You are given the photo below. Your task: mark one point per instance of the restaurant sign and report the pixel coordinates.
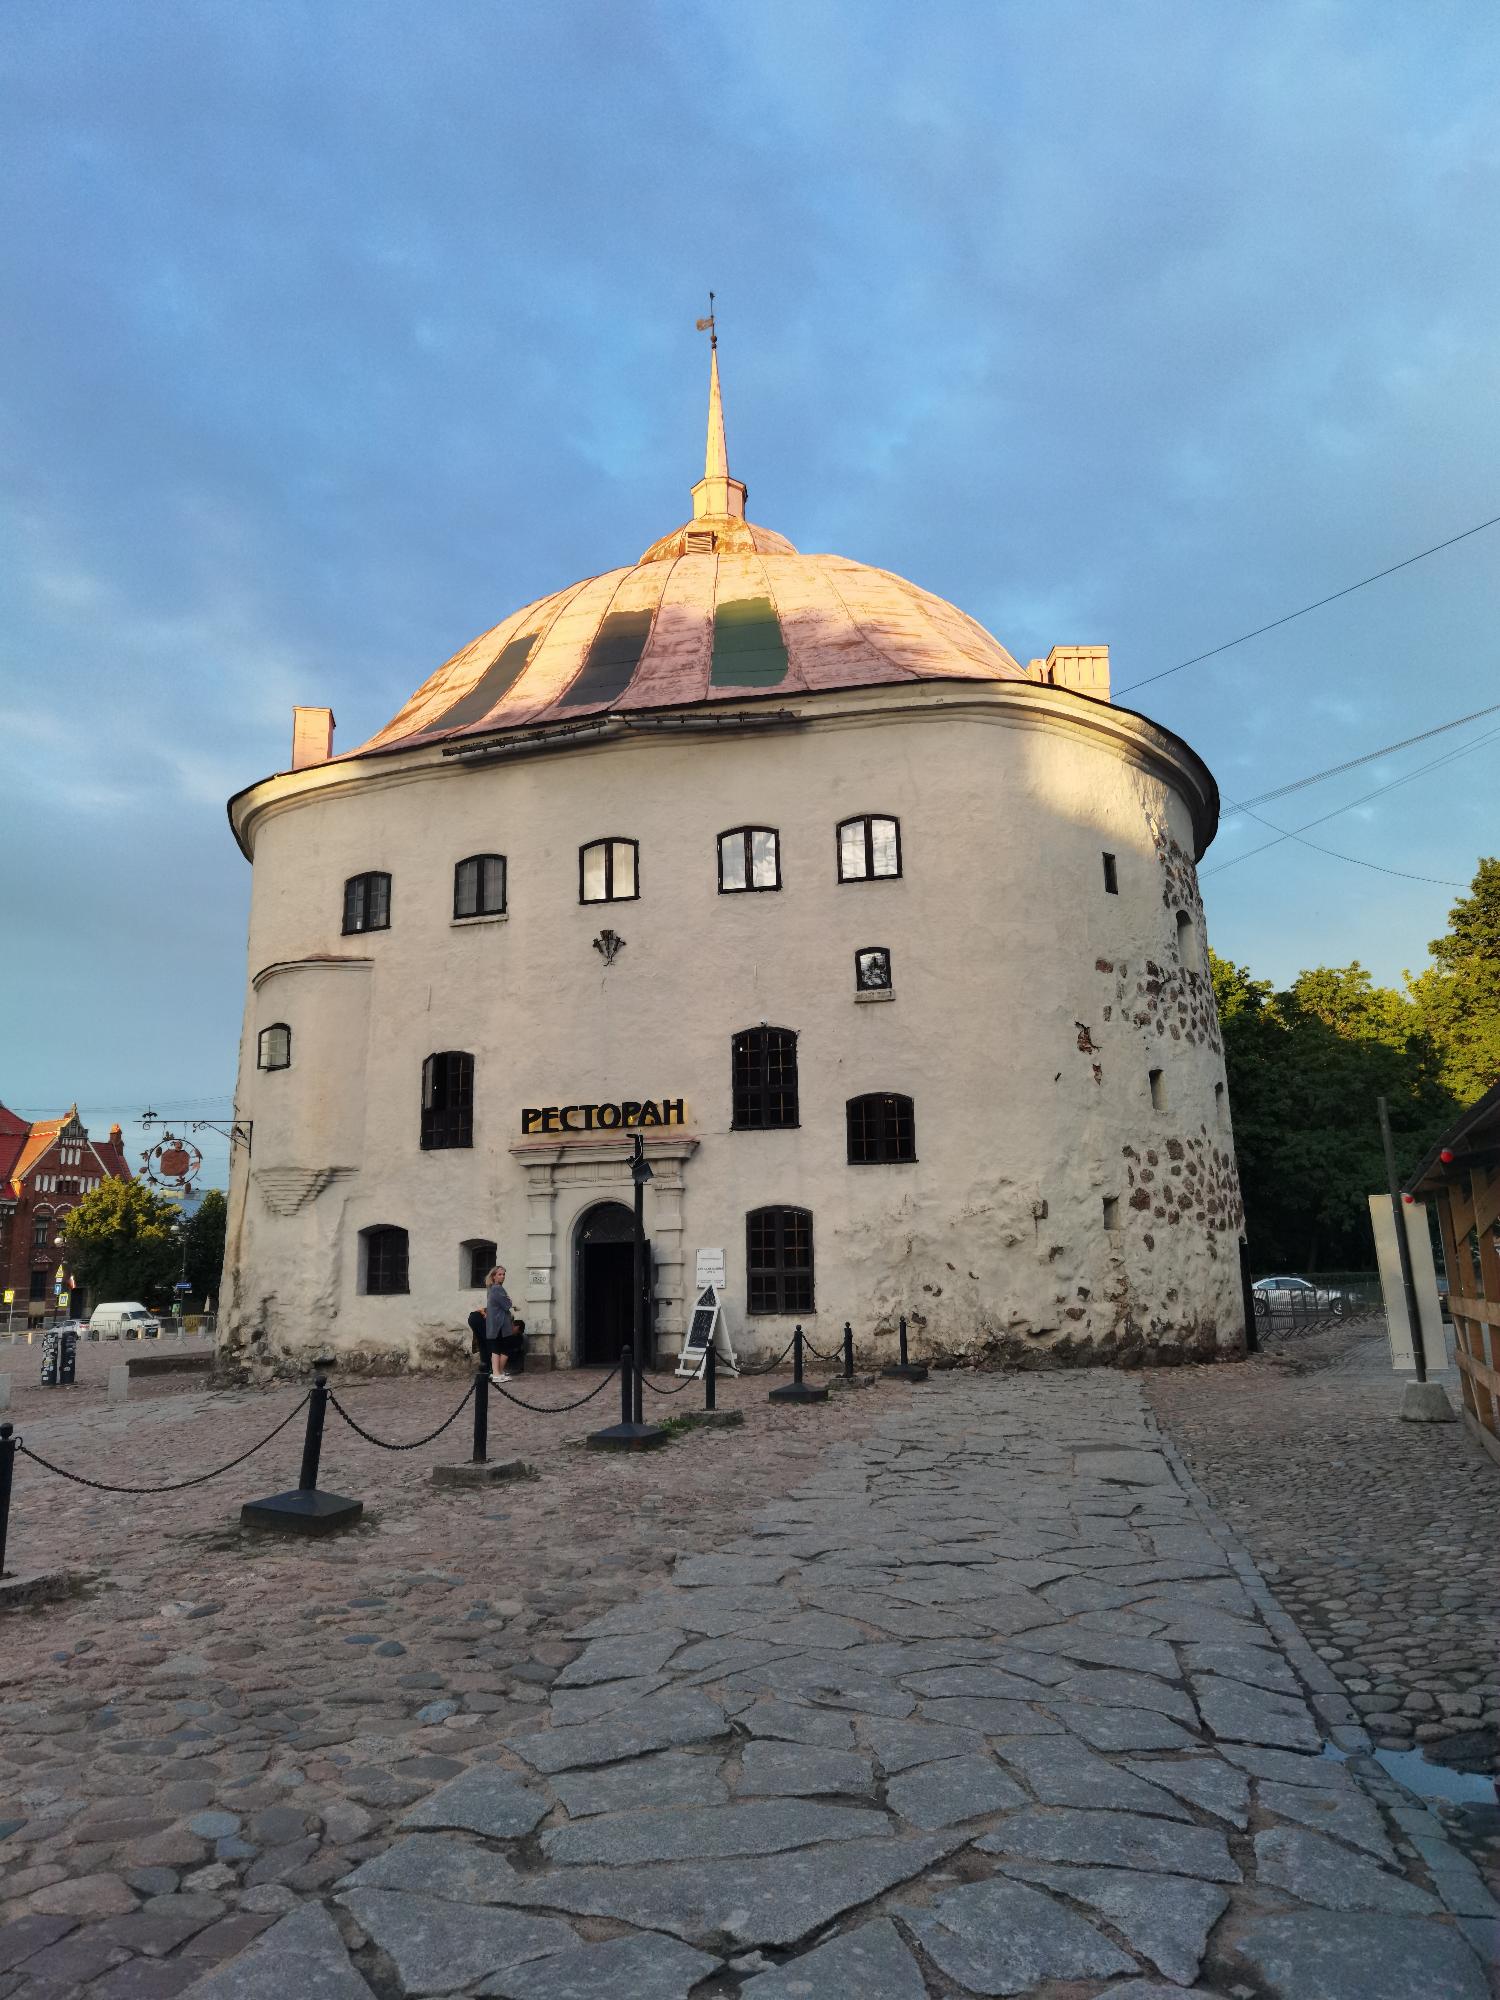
(627, 1116)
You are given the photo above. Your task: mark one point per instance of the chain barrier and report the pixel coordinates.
(556, 1409)
(173, 1486)
(837, 1360)
(771, 1366)
(690, 1382)
(385, 1443)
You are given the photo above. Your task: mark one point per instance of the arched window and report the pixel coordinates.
(479, 886)
(477, 1260)
(749, 858)
(779, 1260)
(41, 1229)
(274, 1048)
(447, 1100)
(382, 1260)
(1184, 936)
(367, 903)
(882, 1129)
(607, 872)
(763, 1069)
(869, 847)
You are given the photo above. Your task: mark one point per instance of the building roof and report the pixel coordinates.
(719, 609)
(23, 1143)
(1473, 1139)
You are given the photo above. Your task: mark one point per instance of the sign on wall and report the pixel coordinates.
(629, 1115)
(711, 1270)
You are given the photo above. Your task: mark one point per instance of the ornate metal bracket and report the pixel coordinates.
(609, 944)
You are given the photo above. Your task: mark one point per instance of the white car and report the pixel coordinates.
(1296, 1295)
(123, 1319)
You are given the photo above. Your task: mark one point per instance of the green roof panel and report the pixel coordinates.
(749, 650)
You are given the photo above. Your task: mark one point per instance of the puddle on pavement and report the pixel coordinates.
(1436, 1781)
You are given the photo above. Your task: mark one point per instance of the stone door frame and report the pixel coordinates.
(564, 1177)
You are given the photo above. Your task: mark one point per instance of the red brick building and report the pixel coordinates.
(44, 1168)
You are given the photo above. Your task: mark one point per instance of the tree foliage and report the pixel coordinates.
(123, 1242)
(1307, 1065)
(205, 1244)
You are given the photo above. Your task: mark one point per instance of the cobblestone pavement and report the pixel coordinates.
(980, 1698)
(1377, 1536)
(23, 1364)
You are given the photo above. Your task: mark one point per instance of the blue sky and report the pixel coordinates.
(337, 331)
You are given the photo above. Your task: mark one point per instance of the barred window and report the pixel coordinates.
(607, 872)
(779, 1260)
(478, 1261)
(763, 1065)
(869, 847)
(479, 886)
(383, 1260)
(274, 1050)
(749, 858)
(447, 1100)
(881, 1129)
(367, 903)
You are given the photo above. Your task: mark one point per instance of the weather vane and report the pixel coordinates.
(707, 325)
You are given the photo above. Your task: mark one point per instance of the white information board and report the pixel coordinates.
(706, 1329)
(710, 1270)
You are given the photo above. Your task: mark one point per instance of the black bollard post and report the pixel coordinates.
(637, 1370)
(481, 1415)
(312, 1441)
(629, 1434)
(306, 1510)
(798, 1391)
(711, 1378)
(905, 1370)
(848, 1352)
(7, 1470)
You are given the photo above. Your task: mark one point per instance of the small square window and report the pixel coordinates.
(1111, 876)
(872, 969)
(274, 1050)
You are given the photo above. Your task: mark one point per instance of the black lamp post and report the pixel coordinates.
(632, 1433)
(640, 1173)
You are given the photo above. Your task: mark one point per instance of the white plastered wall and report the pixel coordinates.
(1029, 1008)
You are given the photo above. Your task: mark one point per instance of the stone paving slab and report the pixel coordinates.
(1117, 1782)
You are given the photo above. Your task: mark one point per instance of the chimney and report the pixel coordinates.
(312, 737)
(116, 1136)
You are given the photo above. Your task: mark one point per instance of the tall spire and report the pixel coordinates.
(716, 492)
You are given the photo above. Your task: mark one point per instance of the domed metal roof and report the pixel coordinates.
(718, 610)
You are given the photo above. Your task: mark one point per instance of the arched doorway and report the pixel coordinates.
(604, 1284)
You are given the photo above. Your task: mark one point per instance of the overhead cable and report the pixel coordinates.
(1352, 763)
(1332, 598)
(1294, 833)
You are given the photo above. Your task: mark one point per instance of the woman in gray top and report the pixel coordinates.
(499, 1324)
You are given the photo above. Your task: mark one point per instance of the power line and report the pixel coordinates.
(1441, 881)
(1294, 833)
(1332, 598)
(1352, 763)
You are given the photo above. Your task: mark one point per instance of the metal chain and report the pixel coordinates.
(771, 1366)
(556, 1409)
(691, 1382)
(173, 1486)
(818, 1354)
(384, 1443)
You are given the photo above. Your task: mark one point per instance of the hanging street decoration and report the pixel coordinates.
(172, 1163)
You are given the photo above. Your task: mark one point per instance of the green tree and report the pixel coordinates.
(1306, 1067)
(205, 1244)
(1459, 995)
(123, 1242)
